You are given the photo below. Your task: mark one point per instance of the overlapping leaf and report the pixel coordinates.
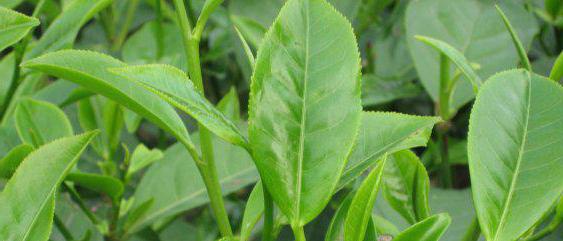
(429, 229)
(40, 122)
(14, 26)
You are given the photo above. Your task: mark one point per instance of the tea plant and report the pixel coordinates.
(281, 120)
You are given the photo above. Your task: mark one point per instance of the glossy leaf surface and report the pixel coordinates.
(429, 229)
(359, 213)
(514, 147)
(40, 122)
(173, 86)
(385, 132)
(308, 69)
(89, 69)
(475, 29)
(14, 26)
(406, 185)
(39, 175)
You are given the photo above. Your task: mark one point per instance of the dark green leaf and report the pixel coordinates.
(99, 183)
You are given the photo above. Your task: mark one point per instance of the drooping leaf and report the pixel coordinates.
(175, 184)
(89, 69)
(141, 158)
(32, 187)
(429, 229)
(40, 122)
(307, 67)
(253, 211)
(62, 32)
(14, 26)
(99, 183)
(406, 185)
(514, 151)
(359, 213)
(475, 29)
(383, 132)
(173, 86)
(10, 162)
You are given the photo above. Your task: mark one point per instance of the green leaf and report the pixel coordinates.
(253, 211)
(557, 69)
(517, 43)
(230, 105)
(112, 119)
(385, 132)
(455, 56)
(62, 32)
(99, 183)
(39, 122)
(475, 29)
(405, 186)
(514, 151)
(377, 90)
(89, 69)
(89, 120)
(429, 229)
(31, 189)
(456, 203)
(361, 206)
(335, 231)
(10, 3)
(250, 29)
(176, 186)
(14, 26)
(141, 158)
(172, 85)
(308, 69)
(10, 162)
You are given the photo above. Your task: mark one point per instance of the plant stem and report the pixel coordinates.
(473, 231)
(207, 168)
(62, 228)
(268, 230)
(546, 231)
(299, 233)
(444, 101)
(131, 9)
(445, 170)
(78, 200)
(444, 112)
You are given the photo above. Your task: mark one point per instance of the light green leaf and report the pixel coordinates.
(230, 105)
(456, 203)
(385, 132)
(250, 29)
(10, 162)
(31, 189)
(39, 122)
(99, 183)
(514, 147)
(176, 186)
(429, 229)
(405, 186)
(141, 158)
(10, 3)
(361, 206)
(455, 56)
(7, 65)
(475, 29)
(89, 69)
(62, 32)
(173, 86)
(515, 40)
(14, 26)
(335, 231)
(557, 69)
(112, 119)
(89, 120)
(253, 211)
(308, 69)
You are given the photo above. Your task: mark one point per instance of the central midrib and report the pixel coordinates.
(303, 116)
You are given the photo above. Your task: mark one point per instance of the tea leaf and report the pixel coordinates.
(173, 86)
(335, 231)
(39, 122)
(456, 203)
(377, 90)
(99, 183)
(141, 158)
(230, 105)
(250, 29)
(10, 162)
(39, 175)
(384, 132)
(517, 43)
(514, 152)
(308, 69)
(62, 32)
(89, 69)
(475, 29)
(557, 70)
(405, 186)
(429, 229)
(361, 206)
(14, 26)
(253, 211)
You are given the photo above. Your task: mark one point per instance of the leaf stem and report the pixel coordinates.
(268, 230)
(299, 233)
(473, 231)
(445, 169)
(444, 112)
(207, 168)
(78, 200)
(62, 228)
